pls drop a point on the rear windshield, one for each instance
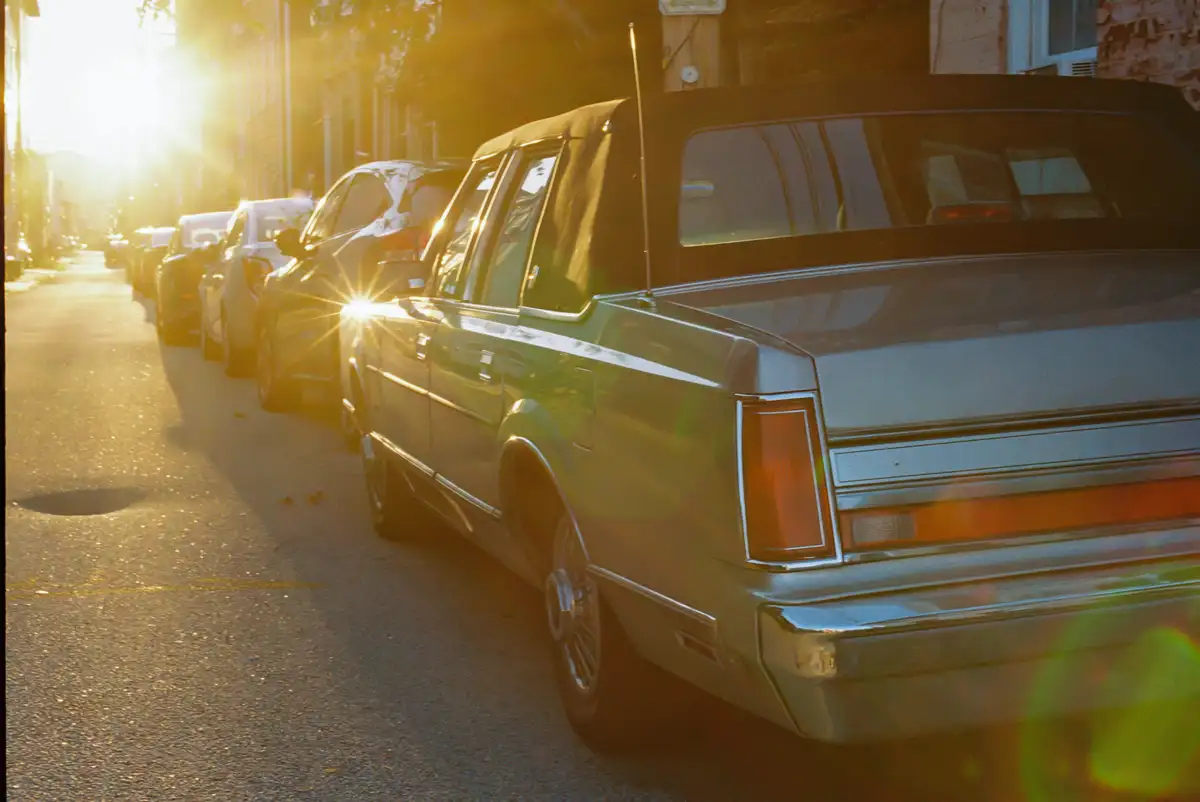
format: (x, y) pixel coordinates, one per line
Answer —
(161, 239)
(788, 179)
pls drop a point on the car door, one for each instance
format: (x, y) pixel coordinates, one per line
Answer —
(474, 324)
(212, 286)
(320, 292)
(286, 295)
(403, 410)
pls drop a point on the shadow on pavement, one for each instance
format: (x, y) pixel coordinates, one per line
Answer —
(457, 651)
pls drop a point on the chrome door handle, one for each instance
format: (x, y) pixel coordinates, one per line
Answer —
(485, 365)
(422, 341)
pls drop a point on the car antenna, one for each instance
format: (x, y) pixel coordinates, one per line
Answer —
(648, 297)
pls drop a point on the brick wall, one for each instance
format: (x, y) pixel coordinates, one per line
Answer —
(969, 36)
(1152, 40)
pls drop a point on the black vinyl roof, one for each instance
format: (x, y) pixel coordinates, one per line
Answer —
(680, 113)
(590, 240)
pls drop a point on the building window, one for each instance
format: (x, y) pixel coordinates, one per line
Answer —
(1053, 36)
(1070, 26)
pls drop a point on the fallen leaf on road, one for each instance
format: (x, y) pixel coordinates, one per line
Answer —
(332, 770)
(316, 498)
(239, 414)
(286, 500)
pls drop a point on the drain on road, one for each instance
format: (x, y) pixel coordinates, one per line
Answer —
(98, 501)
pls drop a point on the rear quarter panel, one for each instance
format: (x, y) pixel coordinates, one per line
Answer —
(636, 415)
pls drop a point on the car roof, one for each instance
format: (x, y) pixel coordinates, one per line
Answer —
(206, 217)
(278, 203)
(671, 114)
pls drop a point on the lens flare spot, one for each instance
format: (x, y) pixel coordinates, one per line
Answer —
(1147, 747)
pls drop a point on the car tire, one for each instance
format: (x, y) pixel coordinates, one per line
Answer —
(275, 392)
(396, 513)
(613, 698)
(208, 349)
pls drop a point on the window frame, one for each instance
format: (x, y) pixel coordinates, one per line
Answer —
(436, 248)
(484, 248)
(241, 216)
(1029, 38)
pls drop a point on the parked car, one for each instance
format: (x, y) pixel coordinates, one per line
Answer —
(116, 252)
(232, 282)
(384, 210)
(195, 245)
(890, 425)
(148, 247)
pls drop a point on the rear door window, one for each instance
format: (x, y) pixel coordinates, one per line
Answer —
(462, 222)
(504, 266)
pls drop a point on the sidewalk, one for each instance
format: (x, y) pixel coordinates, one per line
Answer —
(29, 279)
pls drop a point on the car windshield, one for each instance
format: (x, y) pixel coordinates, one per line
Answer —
(795, 178)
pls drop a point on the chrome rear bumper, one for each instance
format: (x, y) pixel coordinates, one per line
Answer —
(972, 654)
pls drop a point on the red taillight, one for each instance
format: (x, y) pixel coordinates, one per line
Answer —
(972, 213)
(787, 504)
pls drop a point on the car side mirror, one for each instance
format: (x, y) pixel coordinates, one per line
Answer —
(400, 278)
(289, 244)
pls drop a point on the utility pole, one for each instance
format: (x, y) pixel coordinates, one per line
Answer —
(691, 43)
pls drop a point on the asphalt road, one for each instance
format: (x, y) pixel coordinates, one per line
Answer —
(216, 619)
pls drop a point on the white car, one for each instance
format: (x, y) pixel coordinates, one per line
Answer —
(230, 287)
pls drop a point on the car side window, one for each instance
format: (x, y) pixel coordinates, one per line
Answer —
(320, 225)
(504, 266)
(366, 200)
(463, 220)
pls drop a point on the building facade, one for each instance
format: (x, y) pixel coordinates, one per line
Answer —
(22, 201)
(1146, 40)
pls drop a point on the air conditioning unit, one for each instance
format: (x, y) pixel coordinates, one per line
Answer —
(1076, 68)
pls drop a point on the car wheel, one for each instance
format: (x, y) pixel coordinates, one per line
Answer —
(613, 698)
(208, 349)
(275, 393)
(396, 513)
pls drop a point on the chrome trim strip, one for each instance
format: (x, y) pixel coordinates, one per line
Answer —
(1077, 554)
(483, 506)
(1031, 482)
(394, 379)
(653, 595)
(402, 454)
(1067, 447)
(860, 267)
(1000, 612)
(446, 402)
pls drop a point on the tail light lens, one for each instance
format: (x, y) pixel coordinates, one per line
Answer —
(786, 496)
